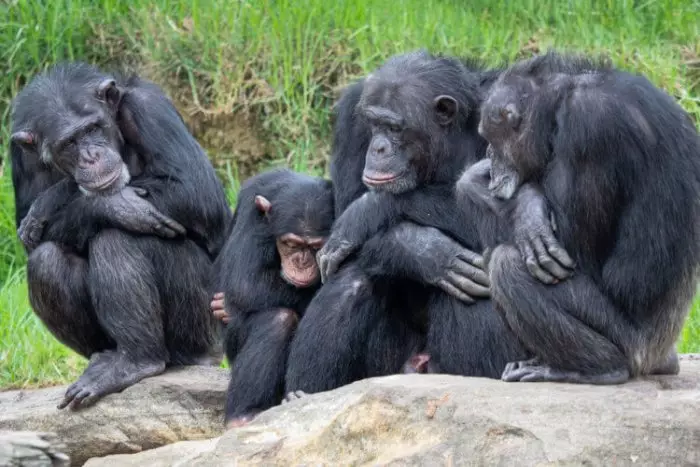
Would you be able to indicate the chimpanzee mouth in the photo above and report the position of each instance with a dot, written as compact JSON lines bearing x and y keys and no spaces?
{"x":379,"y":178}
{"x":297,"y":283}
{"x":108,"y":182}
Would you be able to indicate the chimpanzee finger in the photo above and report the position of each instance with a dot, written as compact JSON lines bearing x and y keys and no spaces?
{"x":321,"y":261}
{"x":163,"y":230}
{"x":142,"y":192}
{"x":547,"y":262}
{"x":470,"y":272}
{"x":472,"y":258}
{"x":217,"y":304}
{"x":69,"y":395}
{"x":559,"y":253}
{"x":171,"y":223}
{"x":533,"y":266}
{"x":332,"y":264}
{"x":220,"y":314}
{"x":454,"y":291}
{"x":468,"y":286}
{"x":77,"y":401}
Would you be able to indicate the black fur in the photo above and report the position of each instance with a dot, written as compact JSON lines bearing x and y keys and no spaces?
{"x":132,"y":303}
{"x":619,"y":161}
{"x":263,"y":307}
{"x":382,"y":304}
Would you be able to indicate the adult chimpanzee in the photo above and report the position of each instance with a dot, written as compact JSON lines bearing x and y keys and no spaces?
{"x":130,"y":301}
{"x":267,"y":270}
{"x":421,"y":112}
{"x":619,"y":161}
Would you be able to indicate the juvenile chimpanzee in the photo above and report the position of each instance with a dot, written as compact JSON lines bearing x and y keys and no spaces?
{"x":268,"y":273}
{"x":619,"y":161}
{"x":420,"y":113}
{"x":132,"y":302}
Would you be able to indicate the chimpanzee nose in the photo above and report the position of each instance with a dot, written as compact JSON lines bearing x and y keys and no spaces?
{"x":380,"y":147}
{"x":89,"y":157}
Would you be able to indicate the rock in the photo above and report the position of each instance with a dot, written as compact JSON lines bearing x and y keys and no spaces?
{"x":182,"y":404}
{"x":31,"y":449}
{"x":450,"y":420}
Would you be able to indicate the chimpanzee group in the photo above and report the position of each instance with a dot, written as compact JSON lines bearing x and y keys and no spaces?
{"x":535,"y":222}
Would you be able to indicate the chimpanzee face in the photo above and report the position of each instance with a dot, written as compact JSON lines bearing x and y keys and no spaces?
{"x":500,"y":125}
{"x":297,"y":248}
{"x":401,"y":148}
{"x":298,"y":258}
{"x":77,"y":133}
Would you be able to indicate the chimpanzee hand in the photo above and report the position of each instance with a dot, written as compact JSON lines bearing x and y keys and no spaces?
{"x":334,"y":252}
{"x":442,"y":262}
{"x":363,"y":218}
{"x":31,"y":230}
{"x":534,"y":236}
{"x":129,"y":211}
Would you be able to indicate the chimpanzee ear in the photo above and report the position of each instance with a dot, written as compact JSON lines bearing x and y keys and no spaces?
{"x":109,"y":92}
{"x":24,"y":139}
{"x":446,"y":109}
{"x":263,"y":204}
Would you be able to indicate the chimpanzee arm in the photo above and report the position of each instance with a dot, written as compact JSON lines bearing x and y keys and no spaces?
{"x":63,"y":214}
{"x":177,"y":174}
{"x":463,"y":213}
{"x":426,"y":255}
{"x":29,"y":178}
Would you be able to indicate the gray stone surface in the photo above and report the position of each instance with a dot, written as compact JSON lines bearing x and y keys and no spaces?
{"x":182,"y":404}
{"x":447,"y":420}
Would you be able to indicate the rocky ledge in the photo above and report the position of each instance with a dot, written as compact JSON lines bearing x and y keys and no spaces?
{"x":397,"y":420}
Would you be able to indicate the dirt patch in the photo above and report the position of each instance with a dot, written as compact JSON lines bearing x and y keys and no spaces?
{"x":231,"y":138}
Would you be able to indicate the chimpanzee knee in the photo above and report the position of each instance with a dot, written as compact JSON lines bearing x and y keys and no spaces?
{"x":286,"y":319}
{"x":59,"y":295}
{"x":329,"y":346}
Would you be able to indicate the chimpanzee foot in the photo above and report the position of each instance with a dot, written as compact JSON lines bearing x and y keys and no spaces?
{"x":293,"y":396}
{"x":530,"y":371}
{"x":110,"y":372}
{"x":242,"y":420}
{"x":670,"y":366}
{"x":418,"y":363}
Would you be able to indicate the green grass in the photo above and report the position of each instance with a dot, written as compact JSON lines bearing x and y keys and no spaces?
{"x":277,"y":64}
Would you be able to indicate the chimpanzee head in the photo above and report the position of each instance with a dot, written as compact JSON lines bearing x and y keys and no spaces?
{"x":67,"y":117}
{"x":501,"y":125}
{"x":413,"y":105}
{"x":300,"y":217}
{"x":518,"y":115}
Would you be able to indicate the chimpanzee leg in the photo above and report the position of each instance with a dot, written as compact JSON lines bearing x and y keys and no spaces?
{"x":560,"y":324}
{"x":469,"y":339}
{"x":328,"y":348}
{"x":123,"y":287}
{"x":259,"y":364}
{"x":398,"y":332}
{"x":192,"y":334}
{"x":59,"y":295}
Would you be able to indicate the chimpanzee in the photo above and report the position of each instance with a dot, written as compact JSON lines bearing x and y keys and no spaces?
{"x":619,"y":161}
{"x":122,"y":240}
{"x":268,"y":272}
{"x":420,"y":113}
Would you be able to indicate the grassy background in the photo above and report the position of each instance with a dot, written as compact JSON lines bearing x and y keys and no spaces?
{"x":255,"y":80}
